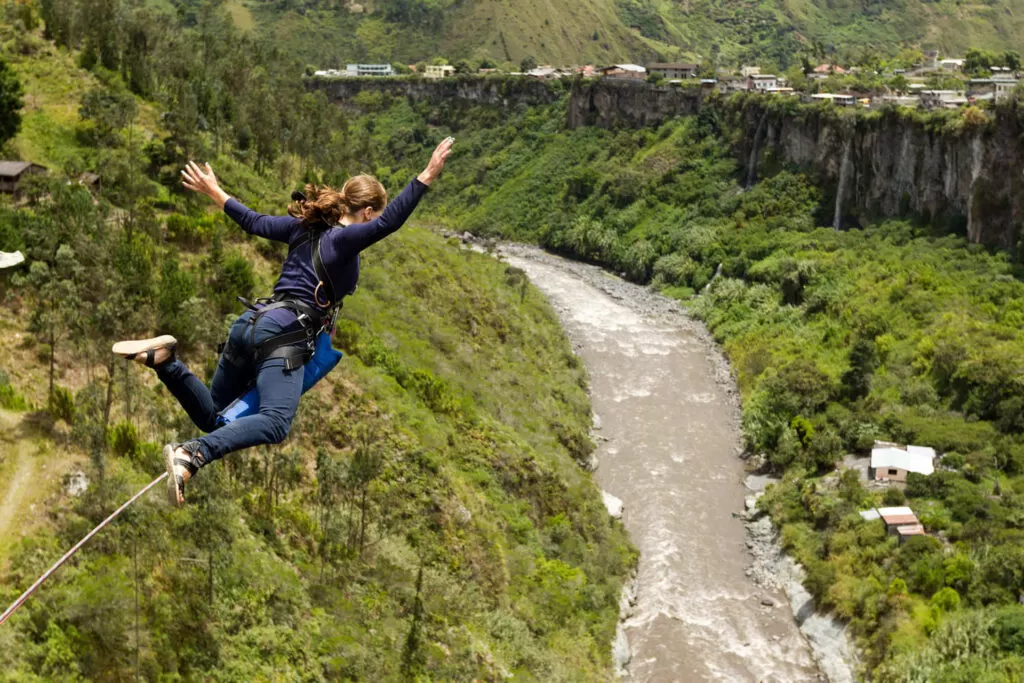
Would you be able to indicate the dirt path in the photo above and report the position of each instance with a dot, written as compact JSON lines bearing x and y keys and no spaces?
{"x":15,"y":474}
{"x":29,"y":472}
{"x":669,"y":450}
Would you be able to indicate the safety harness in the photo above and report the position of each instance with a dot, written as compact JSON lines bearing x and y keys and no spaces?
{"x":312,"y":320}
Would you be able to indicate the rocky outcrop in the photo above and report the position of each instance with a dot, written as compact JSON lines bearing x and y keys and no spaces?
{"x":629,"y":104}
{"x":492,"y":91}
{"x":966,"y":178}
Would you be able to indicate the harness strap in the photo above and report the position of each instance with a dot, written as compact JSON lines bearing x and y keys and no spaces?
{"x":312,"y":320}
{"x":325,"y":277}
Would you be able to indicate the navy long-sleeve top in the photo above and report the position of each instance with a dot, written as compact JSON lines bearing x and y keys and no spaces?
{"x":339,"y":246}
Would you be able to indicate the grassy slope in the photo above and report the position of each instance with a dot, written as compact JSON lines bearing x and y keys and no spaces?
{"x":54,"y":85}
{"x":516,"y":386}
{"x":562,"y":33}
{"x":523,"y":569}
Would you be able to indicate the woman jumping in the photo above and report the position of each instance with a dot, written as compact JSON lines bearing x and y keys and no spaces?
{"x":269,"y":344}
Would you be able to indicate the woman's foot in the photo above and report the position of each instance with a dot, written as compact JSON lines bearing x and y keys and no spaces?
{"x":149,"y":352}
{"x":182,"y":460}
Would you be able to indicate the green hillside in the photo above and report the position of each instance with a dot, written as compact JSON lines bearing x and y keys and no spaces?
{"x":427,"y":519}
{"x":729,"y":32}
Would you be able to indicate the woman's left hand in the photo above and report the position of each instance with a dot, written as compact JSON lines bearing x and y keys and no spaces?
{"x":437,"y":160}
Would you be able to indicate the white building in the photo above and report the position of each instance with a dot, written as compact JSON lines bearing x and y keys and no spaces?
{"x":438,"y":71}
{"x":762,"y":82}
{"x":998,"y":88}
{"x":835,"y":98}
{"x":952,"y":64}
{"x":361,"y":70}
{"x":892,"y":462}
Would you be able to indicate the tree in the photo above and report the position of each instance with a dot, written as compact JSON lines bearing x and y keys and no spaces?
{"x":863,"y":363}
{"x":54,"y":292}
{"x":528,"y":64}
{"x":110,"y":110}
{"x":898,"y":83}
{"x":979,"y":62}
{"x":10,"y":102}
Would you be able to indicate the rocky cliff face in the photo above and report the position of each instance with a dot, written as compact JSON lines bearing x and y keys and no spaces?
{"x":966,"y":178}
{"x":497,"y":92}
{"x":898,"y":165}
{"x":969,"y":179}
{"x":611,"y":103}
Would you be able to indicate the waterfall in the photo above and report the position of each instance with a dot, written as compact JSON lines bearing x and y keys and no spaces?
{"x":844,"y":168}
{"x":755,"y":150}
{"x":977,"y":153}
{"x":718,"y":273}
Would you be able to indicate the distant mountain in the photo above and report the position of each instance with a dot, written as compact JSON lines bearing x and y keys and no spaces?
{"x":331,"y":32}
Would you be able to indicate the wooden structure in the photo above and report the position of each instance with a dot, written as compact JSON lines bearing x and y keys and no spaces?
{"x":13,"y":172}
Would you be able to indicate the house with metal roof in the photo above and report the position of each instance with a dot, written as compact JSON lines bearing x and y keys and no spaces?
{"x":674,"y":70}
{"x":13,"y":172}
{"x":627,"y":71}
{"x":892,"y":462}
{"x":899,"y":521}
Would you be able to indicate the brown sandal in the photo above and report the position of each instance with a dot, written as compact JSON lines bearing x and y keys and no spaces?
{"x":177,"y":466}
{"x":131,"y":349}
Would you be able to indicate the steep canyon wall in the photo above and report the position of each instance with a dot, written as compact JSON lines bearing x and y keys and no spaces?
{"x":493,"y":91}
{"x":897,"y":164}
{"x":882,"y":164}
{"x":966,"y":178}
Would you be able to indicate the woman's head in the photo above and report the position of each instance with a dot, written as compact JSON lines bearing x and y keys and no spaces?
{"x":362,"y":198}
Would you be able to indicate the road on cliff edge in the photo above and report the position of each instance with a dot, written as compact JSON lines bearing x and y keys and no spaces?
{"x":668,"y":447}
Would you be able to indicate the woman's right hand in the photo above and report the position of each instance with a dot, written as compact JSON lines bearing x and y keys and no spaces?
{"x":437,"y":160}
{"x":204,"y":182}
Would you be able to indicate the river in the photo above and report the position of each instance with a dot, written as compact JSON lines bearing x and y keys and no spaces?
{"x":666,"y":415}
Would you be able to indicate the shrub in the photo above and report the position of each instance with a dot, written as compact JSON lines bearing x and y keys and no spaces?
{"x":124,"y":440}
{"x":62,"y":404}
{"x":894,"y":497}
{"x":1009,"y":629}
{"x":9,"y":396}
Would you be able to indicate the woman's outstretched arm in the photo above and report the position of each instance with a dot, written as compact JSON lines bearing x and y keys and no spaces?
{"x":277,"y":228}
{"x":354,"y":238}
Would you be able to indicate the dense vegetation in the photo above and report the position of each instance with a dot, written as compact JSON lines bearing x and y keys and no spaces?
{"x":727,"y":32}
{"x":838,"y":338}
{"x":428,"y":518}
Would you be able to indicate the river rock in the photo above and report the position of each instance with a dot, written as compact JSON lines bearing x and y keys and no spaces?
{"x":613,"y":504}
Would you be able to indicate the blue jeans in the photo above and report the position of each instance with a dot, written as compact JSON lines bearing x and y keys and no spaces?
{"x":279,"y":390}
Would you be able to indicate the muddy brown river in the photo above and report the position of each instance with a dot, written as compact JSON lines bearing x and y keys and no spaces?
{"x":669,"y":443}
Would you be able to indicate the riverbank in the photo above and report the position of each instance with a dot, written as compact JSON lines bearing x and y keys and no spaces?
{"x":676,"y":466}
